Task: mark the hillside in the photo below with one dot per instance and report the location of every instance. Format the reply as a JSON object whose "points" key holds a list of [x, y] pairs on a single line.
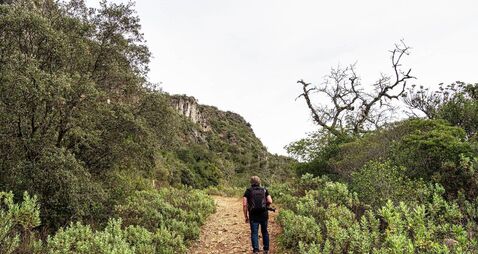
{"points": [[230, 138]]}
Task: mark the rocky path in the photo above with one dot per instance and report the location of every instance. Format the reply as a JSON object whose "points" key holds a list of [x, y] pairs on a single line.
{"points": [[226, 232]]}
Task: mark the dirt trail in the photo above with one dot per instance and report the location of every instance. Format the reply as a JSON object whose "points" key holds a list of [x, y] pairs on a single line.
{"points": [[226, 232]]}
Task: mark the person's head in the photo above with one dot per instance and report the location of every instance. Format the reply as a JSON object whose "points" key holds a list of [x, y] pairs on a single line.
{"points": [[255, 180]]}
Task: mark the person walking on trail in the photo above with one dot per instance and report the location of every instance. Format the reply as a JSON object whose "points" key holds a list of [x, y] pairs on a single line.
{"points": [[255, 202]]}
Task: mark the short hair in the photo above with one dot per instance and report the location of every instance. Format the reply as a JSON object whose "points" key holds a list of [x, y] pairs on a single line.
{"points": [[255, 180]]}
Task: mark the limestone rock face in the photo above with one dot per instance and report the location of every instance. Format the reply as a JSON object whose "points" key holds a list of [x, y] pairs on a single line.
{"points": [[188, 106]]}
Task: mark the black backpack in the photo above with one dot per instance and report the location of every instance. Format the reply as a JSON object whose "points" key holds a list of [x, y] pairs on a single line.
{"points": [[258, 202]]}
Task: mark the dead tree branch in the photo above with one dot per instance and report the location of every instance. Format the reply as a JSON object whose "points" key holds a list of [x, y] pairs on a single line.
{"points": [[351, 110]]}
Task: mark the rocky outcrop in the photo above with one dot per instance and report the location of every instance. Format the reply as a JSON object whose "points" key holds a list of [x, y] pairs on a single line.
{"points": [[225, 135], [188, 106]]}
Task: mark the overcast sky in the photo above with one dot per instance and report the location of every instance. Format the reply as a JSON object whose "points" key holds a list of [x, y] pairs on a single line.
{"points": [[246, 55]]}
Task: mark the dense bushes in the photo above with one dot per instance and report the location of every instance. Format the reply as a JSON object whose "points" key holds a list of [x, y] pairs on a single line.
{"points": [[377, 182], [201, 167], [298, 229], [79, 238], [319, 149], [413, 191], [181, 211], [432, 150], [152, 221], [428, 146], [409, 187], [334, 222]]}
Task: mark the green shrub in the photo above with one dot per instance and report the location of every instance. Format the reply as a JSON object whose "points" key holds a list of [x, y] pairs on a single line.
{"points": [[373, 146], [155, 221], [338, 222], [320, 156], [425, 228], [378, 182], [424, 150], [433, 150], [168, 242], [202, 167], [298, 229], [122, 183], [309, 182], [154, 212], [79, 238], [423, 147], [17, 221], [180, 211], [338, 158]]}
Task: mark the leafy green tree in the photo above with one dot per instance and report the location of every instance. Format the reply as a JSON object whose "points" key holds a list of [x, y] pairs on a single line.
{"points": [[71, 82], [66, 190], [154, 108], [318, 150]]}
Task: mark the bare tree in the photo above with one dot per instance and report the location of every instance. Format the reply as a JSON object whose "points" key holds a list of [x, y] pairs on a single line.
{"points": [[346, 107]]}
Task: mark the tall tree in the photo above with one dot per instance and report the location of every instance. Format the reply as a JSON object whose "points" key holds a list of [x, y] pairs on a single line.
{"points": [[347, 107], [71, 78]]}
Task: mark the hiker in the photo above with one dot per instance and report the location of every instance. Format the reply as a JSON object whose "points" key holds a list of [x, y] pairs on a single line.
{"points": [[254, 204]]}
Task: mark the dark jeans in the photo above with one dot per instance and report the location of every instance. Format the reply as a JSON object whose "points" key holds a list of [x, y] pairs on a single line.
{"points": [[255, 235]]}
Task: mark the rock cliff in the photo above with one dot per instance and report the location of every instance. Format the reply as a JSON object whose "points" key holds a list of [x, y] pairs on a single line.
{"points": [[188, 106], [228, 136]]}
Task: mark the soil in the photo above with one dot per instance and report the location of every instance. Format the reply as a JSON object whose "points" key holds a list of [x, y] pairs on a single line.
{"points": [[226, 231]]}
